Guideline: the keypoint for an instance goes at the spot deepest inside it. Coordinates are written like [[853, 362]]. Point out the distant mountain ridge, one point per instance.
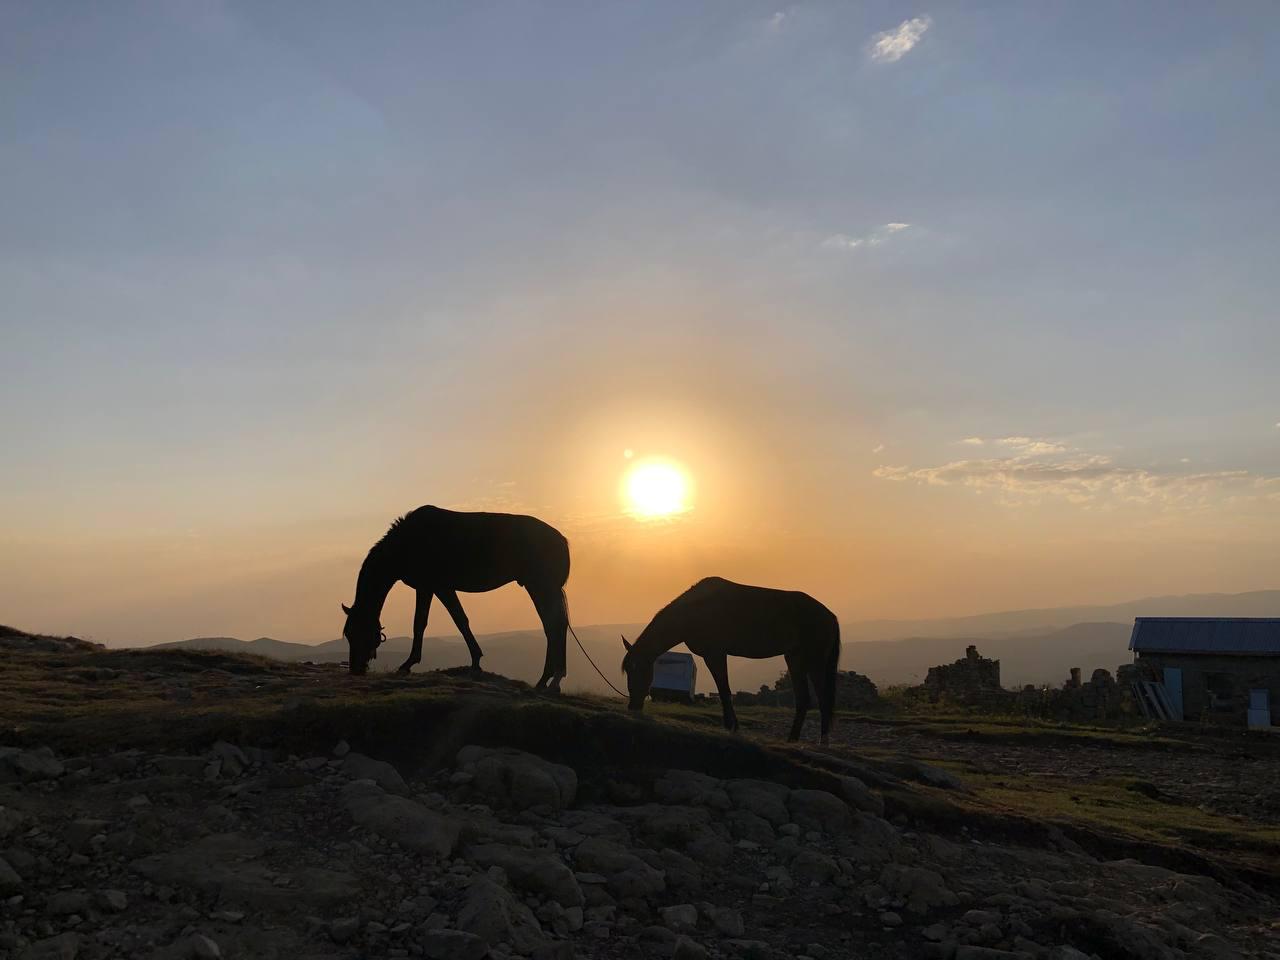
[[1030, 650], [1256, 603]]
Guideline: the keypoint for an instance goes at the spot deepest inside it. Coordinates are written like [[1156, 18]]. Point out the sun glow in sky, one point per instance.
[[922, 309], [656, 488]]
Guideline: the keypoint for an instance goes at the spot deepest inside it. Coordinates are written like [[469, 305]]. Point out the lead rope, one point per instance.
[[593, 663]]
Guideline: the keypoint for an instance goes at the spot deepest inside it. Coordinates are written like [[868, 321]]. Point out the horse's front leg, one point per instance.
[[451, 603], [420, 612], [718, 664]]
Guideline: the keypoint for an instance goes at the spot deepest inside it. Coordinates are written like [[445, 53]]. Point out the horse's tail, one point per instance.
[[827, 689]]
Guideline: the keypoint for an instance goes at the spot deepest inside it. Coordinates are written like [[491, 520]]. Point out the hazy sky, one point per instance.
[[946, 308]]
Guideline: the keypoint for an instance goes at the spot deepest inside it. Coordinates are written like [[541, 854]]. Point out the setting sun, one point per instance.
[[656, 488]]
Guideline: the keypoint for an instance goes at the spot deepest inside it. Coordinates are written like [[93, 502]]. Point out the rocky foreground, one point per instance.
[[239, 851]]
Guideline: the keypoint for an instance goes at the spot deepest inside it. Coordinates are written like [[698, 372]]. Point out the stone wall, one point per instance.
[[971, 681], [853, 692]]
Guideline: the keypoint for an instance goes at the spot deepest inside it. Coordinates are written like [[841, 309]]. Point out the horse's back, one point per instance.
[[719, 615], [484, 550]]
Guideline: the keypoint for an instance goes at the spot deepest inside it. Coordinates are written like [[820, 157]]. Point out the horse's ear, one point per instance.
[[346, 609], [625, 644]]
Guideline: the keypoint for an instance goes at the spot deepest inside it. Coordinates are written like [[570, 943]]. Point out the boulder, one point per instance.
[[666, 825], [819, 810], [10, 880], [359, 767], [401, 820], [810, 866], [923, 889], [860, 797], [491, 913], [513, 778], [745, 825], [453, 945], [537, 871], [225, 866], [681, 918], [625, 873], [65, 946], [764, 799], [692, 788], [29, 765]]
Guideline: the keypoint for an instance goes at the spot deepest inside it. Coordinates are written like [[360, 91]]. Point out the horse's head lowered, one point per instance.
[[364, 636], [639, 676]]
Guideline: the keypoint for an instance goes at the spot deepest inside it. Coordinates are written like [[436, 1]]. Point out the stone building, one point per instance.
[[1223, 668], [971, 680]]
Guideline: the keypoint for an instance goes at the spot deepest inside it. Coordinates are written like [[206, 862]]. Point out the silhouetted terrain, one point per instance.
[[1033, 646], [1041, 658]]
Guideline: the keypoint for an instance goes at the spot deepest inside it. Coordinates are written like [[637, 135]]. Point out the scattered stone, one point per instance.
[[686, 949], [232, 758], [341, 749], [112, 901], [203, 948], [359, 767], [401, 820], [891, 919], [819, 810], [539, 872], [29, 766], [65, 946], [10, 881], [681, 918], [453, 945], [493, 914], [627, 875], [726, 920], [513, 778], [342, 930], [67, 902], [922, 888], [860, 797], [937, 932]]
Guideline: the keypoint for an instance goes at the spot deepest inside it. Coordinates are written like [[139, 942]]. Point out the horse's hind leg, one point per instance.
[[549, 602], [800, 686]]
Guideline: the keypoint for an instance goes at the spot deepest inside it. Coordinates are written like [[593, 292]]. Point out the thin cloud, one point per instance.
[[844, 241], [878, 448], [1085, 479], [892, 45], [1027, 446]]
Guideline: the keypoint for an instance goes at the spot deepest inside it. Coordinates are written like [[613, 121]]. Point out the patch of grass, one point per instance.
[[1127, 808]]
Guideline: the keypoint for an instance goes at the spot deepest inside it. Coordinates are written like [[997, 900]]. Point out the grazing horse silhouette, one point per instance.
[[440, 552], [717, 618]]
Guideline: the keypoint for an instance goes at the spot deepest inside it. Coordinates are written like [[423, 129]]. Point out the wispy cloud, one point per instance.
[[1082, 478], [878, 448], [1027, 446], [844, 241], [776, 21], [893, 45]]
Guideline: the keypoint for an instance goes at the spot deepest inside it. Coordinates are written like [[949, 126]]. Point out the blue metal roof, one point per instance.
[[1250, 636]]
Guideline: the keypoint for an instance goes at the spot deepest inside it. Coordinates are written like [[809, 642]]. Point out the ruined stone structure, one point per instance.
[[971, 681], [853, 692]]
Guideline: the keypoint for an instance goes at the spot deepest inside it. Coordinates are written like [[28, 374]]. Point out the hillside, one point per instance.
[[175, 804], [1038, 658]]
